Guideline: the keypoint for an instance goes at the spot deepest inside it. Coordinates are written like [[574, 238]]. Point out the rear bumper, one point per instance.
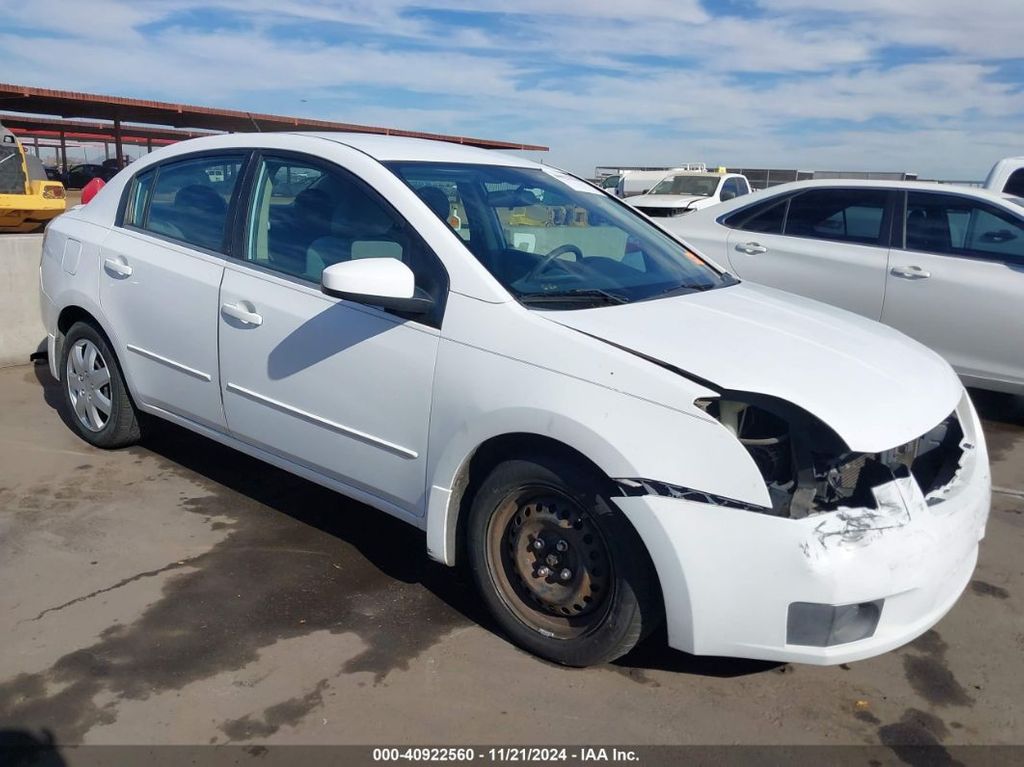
[[729, 576]]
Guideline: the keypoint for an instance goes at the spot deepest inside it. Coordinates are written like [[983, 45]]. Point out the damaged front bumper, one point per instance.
[[745, 584]]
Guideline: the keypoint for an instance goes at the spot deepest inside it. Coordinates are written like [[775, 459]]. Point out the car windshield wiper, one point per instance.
[[582, 295], [683, 289]]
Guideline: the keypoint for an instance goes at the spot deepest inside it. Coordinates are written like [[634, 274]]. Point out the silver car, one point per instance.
[[942, 263]]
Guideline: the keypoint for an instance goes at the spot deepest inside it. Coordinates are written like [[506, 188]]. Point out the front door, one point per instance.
[[338, 387]]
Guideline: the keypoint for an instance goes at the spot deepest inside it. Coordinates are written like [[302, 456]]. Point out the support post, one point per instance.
[[118, 146]]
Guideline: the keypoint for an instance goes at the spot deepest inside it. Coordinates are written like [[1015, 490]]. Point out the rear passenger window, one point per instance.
[[841, 215], [190, 200]]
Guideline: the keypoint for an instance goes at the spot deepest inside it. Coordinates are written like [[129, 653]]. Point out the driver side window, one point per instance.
[[306, 215]]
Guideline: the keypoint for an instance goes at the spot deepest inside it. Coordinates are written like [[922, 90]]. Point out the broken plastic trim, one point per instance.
[[784, 441], [634, 487]]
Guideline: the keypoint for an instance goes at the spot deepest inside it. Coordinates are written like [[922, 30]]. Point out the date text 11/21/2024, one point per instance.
[[500, 754]]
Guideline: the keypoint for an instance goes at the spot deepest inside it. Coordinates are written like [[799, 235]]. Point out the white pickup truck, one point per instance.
[[681, 192], [1007, 177]]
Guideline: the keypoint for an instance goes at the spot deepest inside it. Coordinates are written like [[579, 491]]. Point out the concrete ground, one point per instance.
[[180, 592]]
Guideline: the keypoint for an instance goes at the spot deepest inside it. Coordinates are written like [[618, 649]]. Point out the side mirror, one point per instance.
[[383, 282]]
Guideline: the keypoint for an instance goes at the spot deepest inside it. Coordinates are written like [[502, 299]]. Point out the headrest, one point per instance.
[[200, 197], [436, 200], [314, 202], [359, 216]]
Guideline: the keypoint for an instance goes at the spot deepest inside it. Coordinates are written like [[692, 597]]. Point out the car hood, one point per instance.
[[664, 200], [874, 386]]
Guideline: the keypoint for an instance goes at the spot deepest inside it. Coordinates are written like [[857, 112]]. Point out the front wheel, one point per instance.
[[559, 566], [96, 400]]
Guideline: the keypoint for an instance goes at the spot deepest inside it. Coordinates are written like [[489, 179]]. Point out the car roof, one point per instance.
[[380, 147], [702, 173], [857, 183], [400, 148]]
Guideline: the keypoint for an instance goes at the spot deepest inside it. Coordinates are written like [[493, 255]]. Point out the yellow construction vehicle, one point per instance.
[[28, 199]]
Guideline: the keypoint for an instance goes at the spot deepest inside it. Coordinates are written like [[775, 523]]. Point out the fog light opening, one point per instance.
[[820, 625]]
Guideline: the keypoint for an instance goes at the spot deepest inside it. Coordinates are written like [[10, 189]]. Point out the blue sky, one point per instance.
[[932, 86]]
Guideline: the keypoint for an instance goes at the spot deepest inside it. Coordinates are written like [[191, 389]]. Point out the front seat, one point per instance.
[[360, 228], [289, 240], [928, 230]]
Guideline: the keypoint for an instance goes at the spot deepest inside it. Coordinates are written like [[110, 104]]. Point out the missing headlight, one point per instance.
[[808, 469]]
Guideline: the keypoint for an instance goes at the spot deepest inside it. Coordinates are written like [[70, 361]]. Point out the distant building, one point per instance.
[[763, 178]]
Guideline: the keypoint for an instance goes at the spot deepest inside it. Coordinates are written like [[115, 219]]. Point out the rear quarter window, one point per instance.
[[138, 198], [764, 218]]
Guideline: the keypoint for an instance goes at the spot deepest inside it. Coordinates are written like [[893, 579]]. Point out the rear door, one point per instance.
[[955, 284], [826, 243], [161, 269]]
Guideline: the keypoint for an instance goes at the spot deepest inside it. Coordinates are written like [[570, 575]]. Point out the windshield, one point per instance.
[[702, 186], [554, 240]]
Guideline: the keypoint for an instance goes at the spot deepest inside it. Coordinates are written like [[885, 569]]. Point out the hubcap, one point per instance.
[[550, 562], [88, 380]]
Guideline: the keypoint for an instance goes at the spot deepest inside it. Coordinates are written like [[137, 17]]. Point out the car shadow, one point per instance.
[[654, 654], [394, 548], [1002, 416], [999, 407], [336, 328], [21, 748]]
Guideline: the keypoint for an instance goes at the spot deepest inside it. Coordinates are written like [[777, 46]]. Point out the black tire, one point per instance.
[[120, 426], [600, 595]]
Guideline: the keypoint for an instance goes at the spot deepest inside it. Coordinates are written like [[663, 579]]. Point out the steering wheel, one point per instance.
[[546, 261]]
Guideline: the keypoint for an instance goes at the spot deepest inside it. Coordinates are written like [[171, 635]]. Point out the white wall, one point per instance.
[[21, 328]]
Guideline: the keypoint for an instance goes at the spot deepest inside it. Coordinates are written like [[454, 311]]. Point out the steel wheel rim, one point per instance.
[[570, 598], [88, 383]]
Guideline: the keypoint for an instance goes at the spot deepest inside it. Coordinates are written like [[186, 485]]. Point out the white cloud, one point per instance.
[[824, 90], [985, 29]]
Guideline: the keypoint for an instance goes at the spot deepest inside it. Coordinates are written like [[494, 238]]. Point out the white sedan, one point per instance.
[[942, 263], [609, 430]]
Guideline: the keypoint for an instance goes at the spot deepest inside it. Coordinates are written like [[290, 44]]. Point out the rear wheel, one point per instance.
[[559, 566], [96, 398]]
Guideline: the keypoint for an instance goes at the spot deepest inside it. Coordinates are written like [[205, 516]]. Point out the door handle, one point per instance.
[[243, 312], [117, 266], [910, 272], [751, 248]]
